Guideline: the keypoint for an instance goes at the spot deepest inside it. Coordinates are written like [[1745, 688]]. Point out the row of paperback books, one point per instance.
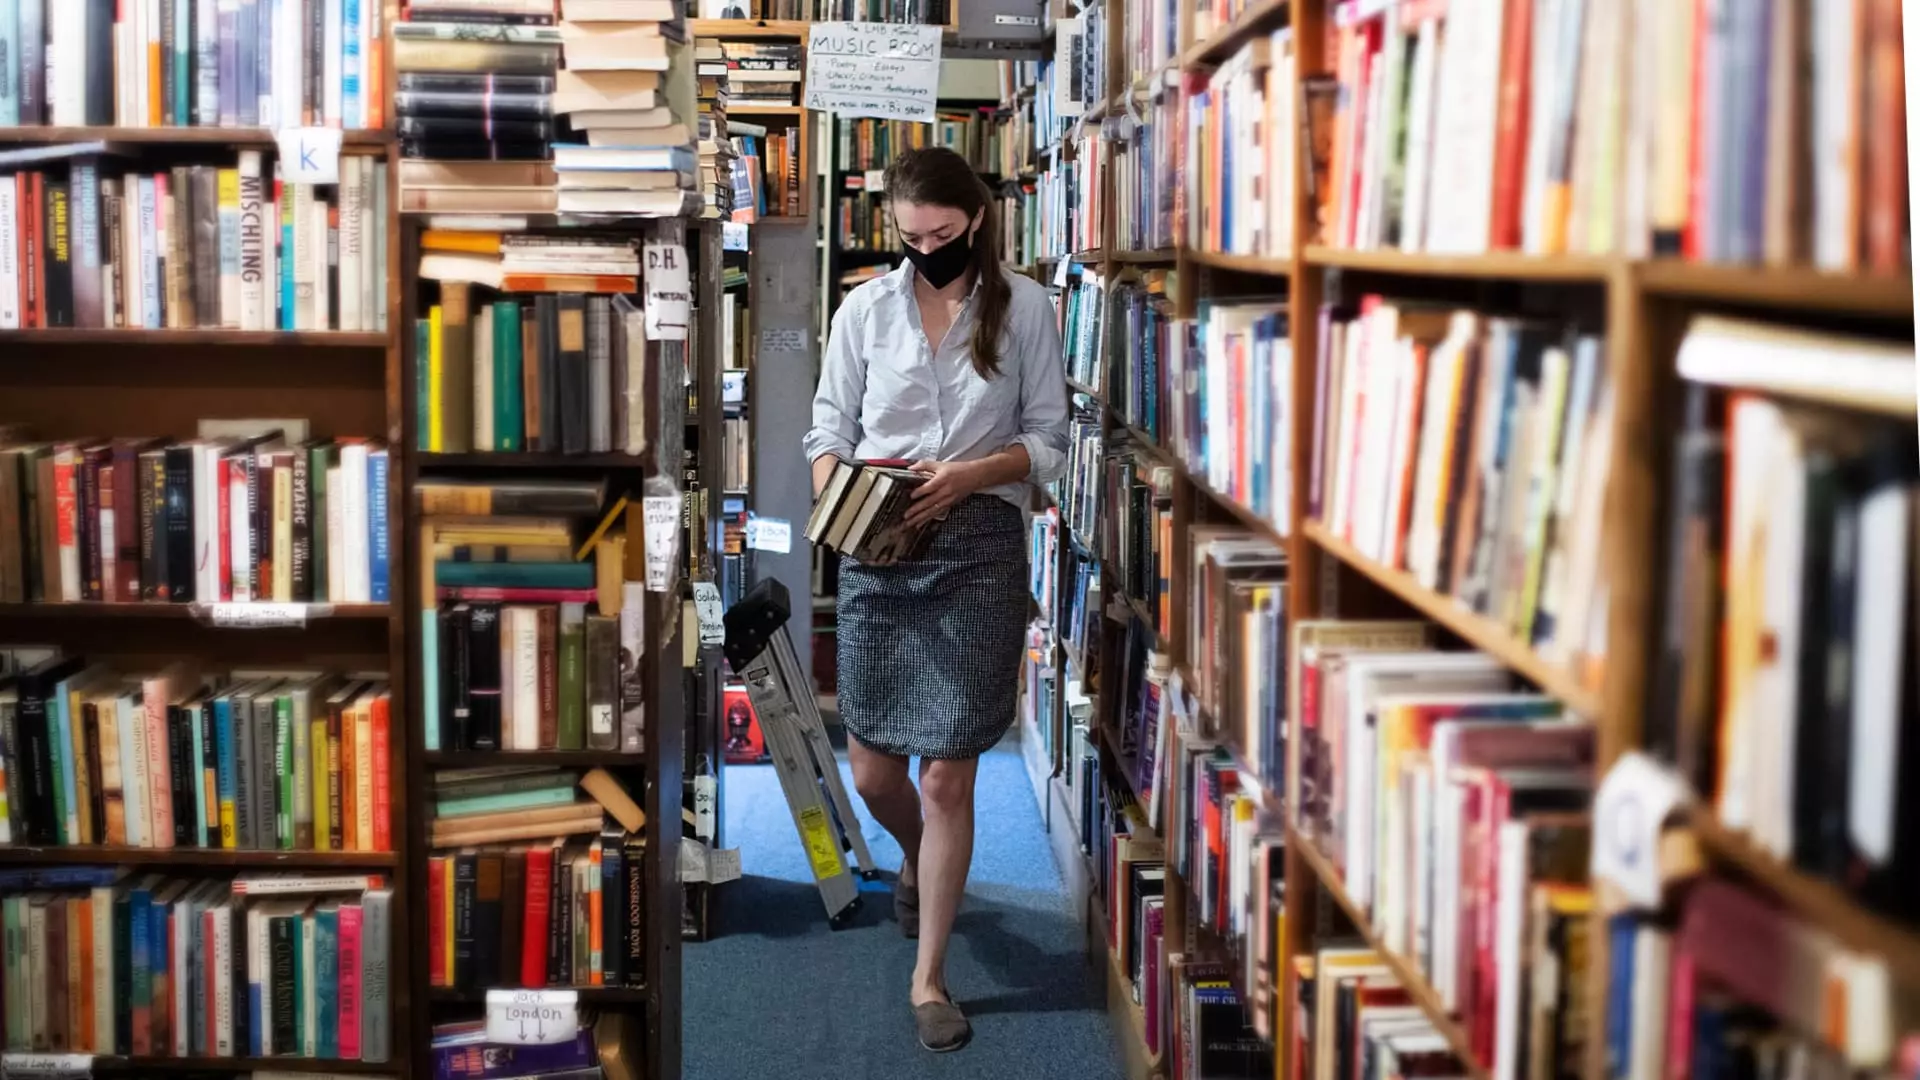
[[1228, 400], [195, 246], [289, 762], [1238, 165], [533, 634], [1471, 451], [766, 171], [864, 224], [758, 73], [100, 961], [1146, 173], [1782, 685], [1744, 133], [195, 63], [226, 517]]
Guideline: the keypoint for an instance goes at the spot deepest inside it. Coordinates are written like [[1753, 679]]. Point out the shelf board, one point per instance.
[[589, 995], [1241, 264], [1144, 257], [156, 610], [1244, 513], [1091, 255], [764, 110], [584, 759], [483, 461], [143, 1066], [1477, 630], [1799, 288], [1082, 388], [1817, 901], [751, 29], [207, 136], [1418, 989], [1511, 265], [117, 854], [1252, 22], [306, 339]]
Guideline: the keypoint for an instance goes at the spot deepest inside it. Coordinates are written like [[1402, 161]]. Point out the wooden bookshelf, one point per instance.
[[1239, 264], [752, 29], [174, 136], [196, 858], [484, 462], [566, 759], [165, 1066], [244, 339]]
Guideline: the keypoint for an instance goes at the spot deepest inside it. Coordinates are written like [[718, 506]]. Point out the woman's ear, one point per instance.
[[979, 219]]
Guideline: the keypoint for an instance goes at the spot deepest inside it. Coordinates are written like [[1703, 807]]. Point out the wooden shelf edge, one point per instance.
[[1518, 266], [113, 855], [589, 995], [279, 339], [1144, 256], [1819, 902], [473, 759], [1242, 29], [1799, 288], [1477, 630], [1082, 388], [1411, 978], [1273, 266], [215, 136], [159, 610], [147, 1065], [742, 29], [1245, 514], [509, 460]]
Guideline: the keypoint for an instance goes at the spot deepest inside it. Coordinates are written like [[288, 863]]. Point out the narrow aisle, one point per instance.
[[779, 995]]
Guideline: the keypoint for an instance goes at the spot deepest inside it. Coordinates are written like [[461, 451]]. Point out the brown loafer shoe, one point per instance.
[[906, 908], [941, 1026]]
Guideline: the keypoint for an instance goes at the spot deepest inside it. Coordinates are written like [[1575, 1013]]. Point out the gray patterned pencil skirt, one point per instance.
[[928, 651]]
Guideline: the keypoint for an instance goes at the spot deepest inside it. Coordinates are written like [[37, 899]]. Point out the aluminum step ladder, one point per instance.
[[760, 651]]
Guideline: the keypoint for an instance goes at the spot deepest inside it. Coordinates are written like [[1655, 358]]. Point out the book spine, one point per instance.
[[89, 308], [59, 252], [10, 253], [251, 226], [351, 991], [376, 934], [379, 551]]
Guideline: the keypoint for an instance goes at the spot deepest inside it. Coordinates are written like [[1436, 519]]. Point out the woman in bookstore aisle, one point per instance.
[[954, 364]]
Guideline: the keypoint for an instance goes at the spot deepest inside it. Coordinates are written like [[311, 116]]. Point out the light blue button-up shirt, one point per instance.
[[884, 392]]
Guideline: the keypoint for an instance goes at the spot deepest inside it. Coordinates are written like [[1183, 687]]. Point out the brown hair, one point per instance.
[[937, 176]]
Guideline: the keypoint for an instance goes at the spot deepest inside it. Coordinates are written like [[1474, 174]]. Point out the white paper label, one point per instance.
[[1060, 274], [783, 339], [875, 180], [255, 616], [661, 514], [706, 604], [532, 1017], [1633, 804], [734, 236], [309, 155], [698, 863], [600, 719], [46, 1065], [770, 534], [706, 804], [886, 70], [669, 285]]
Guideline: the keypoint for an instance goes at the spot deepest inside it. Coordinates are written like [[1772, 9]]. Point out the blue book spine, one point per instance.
[[57, 877], [182, 46], [160, 954], [326, 990], [1620, 934], [196, 1010], [350, 64], [140, 951], [225, 770], [256, 993], [10, 75], [286, 249], [430, 676], [197, 724], [378, 569]]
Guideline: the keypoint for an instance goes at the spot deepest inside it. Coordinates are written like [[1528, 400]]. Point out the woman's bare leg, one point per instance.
[[883, 783], [946, 852]]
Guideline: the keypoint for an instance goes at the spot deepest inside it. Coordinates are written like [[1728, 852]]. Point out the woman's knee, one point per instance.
[[878, 776], [946, 787]]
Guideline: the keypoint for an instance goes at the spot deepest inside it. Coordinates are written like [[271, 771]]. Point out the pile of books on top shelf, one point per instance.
[[225, 517], [270, 966], [763, 72], [721, 169], [608, 1049], [625, 157], [462, 115], [530, 619], [532, 262], [548, 892], [293, 761]]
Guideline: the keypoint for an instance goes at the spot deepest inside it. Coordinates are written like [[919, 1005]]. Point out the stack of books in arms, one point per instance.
[[720, 164], [474, 41], [564, 372], [862, 511], [293, 761], [221, 518], [624, 158], [545, 894], [1747, 136], [101, 961], [531, 631], [272, 63], [1472, 452], [1455, 807], [94, 244], [607, 1048]]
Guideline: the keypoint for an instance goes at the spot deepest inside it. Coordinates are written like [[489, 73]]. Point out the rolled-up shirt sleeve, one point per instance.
[[843, 383], [1043, 393]]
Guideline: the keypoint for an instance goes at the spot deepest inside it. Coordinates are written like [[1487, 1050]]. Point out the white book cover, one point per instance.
[[336, 548], [1885, 528], [9, 253], [260, 1035], [304, 317], [133, 766], [355, 581], [320, 249], [1509, 942], [101, 910], [352, 224], [1420, 101], [180, 926], [373, 244], [1459, 212], [483, 359], [220, 977], [151, 229], [254, 241], [331, 73], [206, 521], [239, 531], [526, 679], [309, 1003]]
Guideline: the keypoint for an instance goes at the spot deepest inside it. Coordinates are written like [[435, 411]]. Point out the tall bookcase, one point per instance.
[[69, 383], [1641, 305]]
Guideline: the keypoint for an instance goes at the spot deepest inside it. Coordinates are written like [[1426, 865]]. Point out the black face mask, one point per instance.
[[943, 265]]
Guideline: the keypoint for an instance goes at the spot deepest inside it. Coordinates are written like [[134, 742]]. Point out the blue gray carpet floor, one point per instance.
[[776, 994]]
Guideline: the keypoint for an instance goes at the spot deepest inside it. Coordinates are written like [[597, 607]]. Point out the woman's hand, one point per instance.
[[950, 481]]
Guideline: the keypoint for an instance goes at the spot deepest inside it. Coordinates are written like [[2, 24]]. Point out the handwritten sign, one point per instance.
[[783, 339], [874, 69], [661, 514], [532, 1017], [669, 285], [706, 805], [46, 1066], [1629, 812], [254, 616], [706, 605], [734, 236], [770, 534], [309, 155], [698, 862]]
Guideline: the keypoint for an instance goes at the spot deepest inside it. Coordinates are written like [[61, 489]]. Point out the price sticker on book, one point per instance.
[[46, 1066], [532, 1017], [309, 155], [706, 604], [255, 616], [1632, 807]]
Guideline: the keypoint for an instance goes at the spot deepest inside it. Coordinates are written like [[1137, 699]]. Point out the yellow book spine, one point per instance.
[[446, 911], [478, 243], [436, 381], [322, 804]]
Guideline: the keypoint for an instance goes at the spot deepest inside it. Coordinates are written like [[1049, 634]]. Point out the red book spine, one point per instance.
[[223, 527], [437, 921], [1696, 142], [1494, 801], [535, 915], [33, 275], [1510, 134], [1680, 1017], [382, 768], [126, 523], [349, 993]]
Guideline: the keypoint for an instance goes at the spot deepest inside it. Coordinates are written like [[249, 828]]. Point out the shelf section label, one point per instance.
[[532, 1017]]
